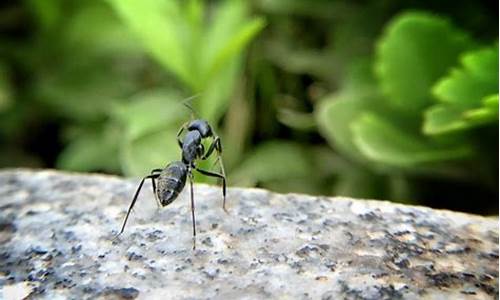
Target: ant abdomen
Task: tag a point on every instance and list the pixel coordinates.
(171, 182)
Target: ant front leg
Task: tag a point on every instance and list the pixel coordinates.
(217, 175)
(216, 145)
(153, 176)
(179, 141)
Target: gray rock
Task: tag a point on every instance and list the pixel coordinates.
(56, 232)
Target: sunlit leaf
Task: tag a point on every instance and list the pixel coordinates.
(465, 87)
(151, 111)
(157, 23)
(276, 160)
(335, 116)
(214, 100)
(336, 112)
(82, 89)
(95, 29)
(227, 18)
(468, 96)
(301, 61)
(416, 50)
(235, 44)
(92, 151)
(486, 114)
(224, 40)
(150, 151)
(297, 120)
(442, 118)
(382, 142)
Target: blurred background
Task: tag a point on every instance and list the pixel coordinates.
(393, 100)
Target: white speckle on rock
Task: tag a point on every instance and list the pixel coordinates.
(19, 290)
(359, 208)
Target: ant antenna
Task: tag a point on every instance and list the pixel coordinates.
(187, 103)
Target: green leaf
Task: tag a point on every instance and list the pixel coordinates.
(151, 120)
(477, 78)
(488, 113)
(159, 25)
(442, 119)
(6, 97)
(151, 111)
(94, 29)
(335, 115)
(227, 18)
(81, 89)
(235, 45)
(415, 50)
(214, 100)
(92, 151)
(276, 160)
(297, 120)
(229, 33)
(491, 102)
(149, 151)
(335, 112)
(384, 143)
(468, 96)
(47, 12)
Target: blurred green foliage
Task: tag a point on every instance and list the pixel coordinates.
(390, 100)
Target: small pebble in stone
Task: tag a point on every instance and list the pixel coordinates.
(124, 293)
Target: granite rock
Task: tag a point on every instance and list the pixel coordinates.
(57, 229)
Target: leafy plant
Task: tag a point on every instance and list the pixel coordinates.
(117, 131)
(468, 96)
(339, 98)
(390, 123)
(203, 53)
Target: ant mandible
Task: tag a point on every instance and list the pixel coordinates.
(169, 182)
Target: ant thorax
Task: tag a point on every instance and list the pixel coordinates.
(191, 146)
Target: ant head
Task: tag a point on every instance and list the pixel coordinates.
(202, 127)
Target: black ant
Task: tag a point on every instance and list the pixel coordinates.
(169, 182)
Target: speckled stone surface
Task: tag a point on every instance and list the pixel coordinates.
(56, 232)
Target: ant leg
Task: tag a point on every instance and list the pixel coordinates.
(153, 176)
(213, 174)
(219, 156)
(211, 148)
(216, 145)
(192, 210)
(153, 183)
(179, 141)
